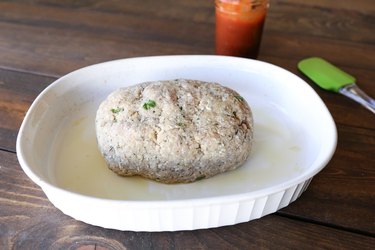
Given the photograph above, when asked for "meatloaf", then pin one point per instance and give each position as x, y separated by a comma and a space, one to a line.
174, 131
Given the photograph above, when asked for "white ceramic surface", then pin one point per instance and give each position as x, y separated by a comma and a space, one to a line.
295, 137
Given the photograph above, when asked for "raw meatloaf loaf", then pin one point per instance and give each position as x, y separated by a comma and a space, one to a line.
175, 131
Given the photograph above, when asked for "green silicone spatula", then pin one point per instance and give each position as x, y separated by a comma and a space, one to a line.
331, 78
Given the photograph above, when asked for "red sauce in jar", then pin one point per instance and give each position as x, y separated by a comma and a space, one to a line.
239, 26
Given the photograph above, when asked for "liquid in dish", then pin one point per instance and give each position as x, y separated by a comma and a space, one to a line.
280, 152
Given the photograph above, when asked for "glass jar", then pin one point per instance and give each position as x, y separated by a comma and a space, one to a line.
239, 27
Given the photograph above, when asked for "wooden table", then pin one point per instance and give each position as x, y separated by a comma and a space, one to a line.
43, 40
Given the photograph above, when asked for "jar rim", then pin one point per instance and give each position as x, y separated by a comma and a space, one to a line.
240, 6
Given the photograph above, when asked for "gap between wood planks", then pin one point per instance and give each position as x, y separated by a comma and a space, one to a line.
320, 223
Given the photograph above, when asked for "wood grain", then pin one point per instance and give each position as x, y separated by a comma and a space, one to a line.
316, 20
43, 40
343, 193
364, 6
29, 221
17, 91
49, 33
49, 39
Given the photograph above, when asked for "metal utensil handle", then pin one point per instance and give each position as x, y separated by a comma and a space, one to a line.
355, 93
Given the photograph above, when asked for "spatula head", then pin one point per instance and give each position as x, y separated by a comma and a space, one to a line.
323, 73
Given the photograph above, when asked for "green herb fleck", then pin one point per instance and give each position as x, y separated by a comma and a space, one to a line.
180, 124
240, 98
117, 110
149, 104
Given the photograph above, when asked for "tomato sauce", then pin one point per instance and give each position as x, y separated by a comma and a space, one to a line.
239, 26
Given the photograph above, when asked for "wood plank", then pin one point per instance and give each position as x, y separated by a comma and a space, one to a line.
17, 92
366, 6
57, 48
52, 38
342, 53
195, 10
343, 110
314, 19
29, 221
61, 45
344, 192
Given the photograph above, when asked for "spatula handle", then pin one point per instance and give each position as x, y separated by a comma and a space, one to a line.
355, 93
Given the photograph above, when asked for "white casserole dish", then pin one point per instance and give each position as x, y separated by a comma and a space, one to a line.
295, 137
